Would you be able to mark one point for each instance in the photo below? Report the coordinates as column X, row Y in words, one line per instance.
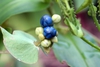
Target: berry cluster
column 47, row 33
column 48, row 30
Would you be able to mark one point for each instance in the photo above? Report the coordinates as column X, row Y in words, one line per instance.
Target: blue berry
column 46, row 21
column 49, row 32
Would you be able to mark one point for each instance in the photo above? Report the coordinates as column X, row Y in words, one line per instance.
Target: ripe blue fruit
column 49, row 32
column 46, row 20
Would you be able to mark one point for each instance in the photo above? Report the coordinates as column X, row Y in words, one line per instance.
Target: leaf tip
column 4, row 32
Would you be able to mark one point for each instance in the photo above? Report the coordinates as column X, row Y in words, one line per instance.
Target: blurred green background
column 25, row 15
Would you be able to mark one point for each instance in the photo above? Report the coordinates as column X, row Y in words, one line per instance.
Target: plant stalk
column 90, row 43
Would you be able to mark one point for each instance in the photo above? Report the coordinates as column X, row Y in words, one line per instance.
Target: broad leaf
column 76, row 52
column 21, row 46
column 13, row 7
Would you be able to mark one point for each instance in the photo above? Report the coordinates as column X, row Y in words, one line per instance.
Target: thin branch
column 50, row 11
column 90, row 43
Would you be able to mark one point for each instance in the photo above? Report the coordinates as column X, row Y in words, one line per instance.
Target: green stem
column 64, row 5
column 50, row 11
column 99, row 7
column 67, row 4
column 96, row 22
column 91, row 44
column 94, row 16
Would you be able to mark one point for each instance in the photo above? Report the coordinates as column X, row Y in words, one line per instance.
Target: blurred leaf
column 13, row 7
column 76, row 52
column 83, row 5
column 21, row 46
column 20, row 64
column 26, row 21
column 78, row 3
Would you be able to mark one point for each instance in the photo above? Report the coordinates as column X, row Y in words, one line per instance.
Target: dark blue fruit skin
column 46, row 21
column 49, row 32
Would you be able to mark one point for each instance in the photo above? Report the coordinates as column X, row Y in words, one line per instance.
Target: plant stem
column 67, row 4
column 96, row 22
column 73, row 22
column 90, row 43
column 94, row 16
column 99, row 7
column 50, row 11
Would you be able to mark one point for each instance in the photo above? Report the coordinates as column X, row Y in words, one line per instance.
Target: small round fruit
column 46, row 43
column 39, row 30
column 46, row 20
column 49, row 32
column 41, row 37
column 55, row 39
column 56, row 18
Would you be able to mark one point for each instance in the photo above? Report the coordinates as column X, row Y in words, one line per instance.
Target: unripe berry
column 56, row 18
column 46, row 43
column 46, row 21
column 49, row 32
column 41, row 37
column 55, row 39
column 39, row 30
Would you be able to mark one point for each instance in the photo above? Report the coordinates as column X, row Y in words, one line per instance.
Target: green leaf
column 21, row 46
column 83, row 5
column 76, row 52
column 13, row 7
